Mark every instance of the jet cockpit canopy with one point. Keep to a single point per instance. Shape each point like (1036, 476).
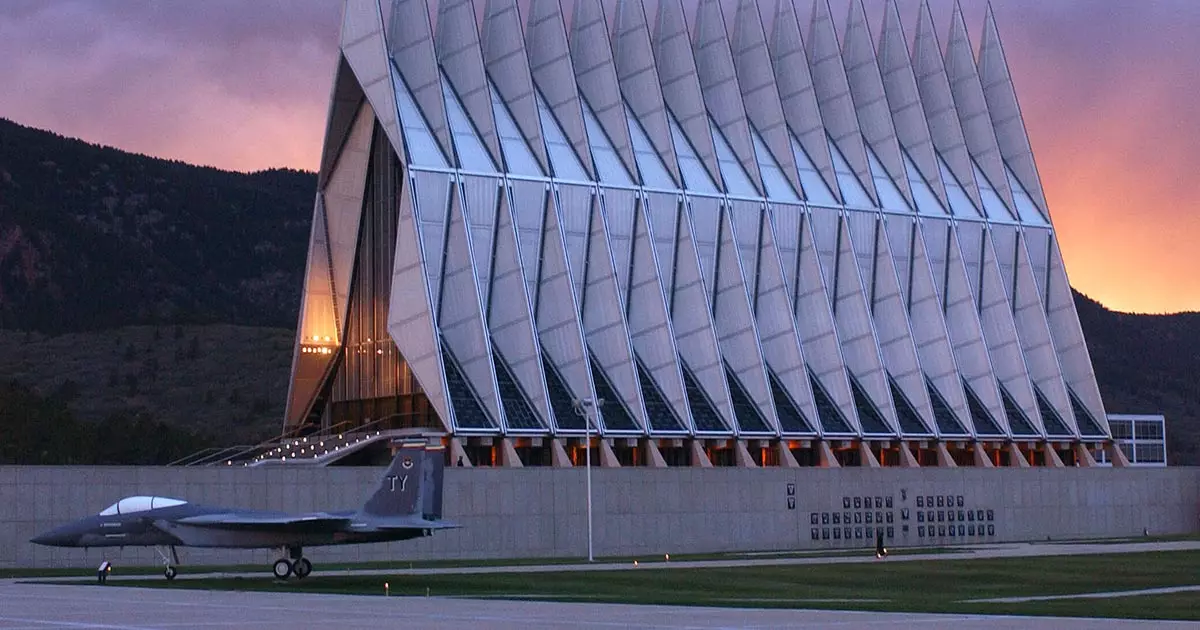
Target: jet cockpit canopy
(129, 505)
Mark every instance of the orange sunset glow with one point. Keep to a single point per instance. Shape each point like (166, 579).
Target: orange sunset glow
(1107, 90)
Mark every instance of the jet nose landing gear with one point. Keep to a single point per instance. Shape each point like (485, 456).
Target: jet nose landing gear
(293, 564)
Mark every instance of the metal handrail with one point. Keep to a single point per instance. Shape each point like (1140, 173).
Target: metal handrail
(195, 455)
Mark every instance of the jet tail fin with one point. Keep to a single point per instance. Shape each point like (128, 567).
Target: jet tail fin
(412, 485)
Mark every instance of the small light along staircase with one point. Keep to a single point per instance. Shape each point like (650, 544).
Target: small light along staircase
(318, 449)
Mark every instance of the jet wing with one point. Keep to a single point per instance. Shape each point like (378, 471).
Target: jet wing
(250, 521)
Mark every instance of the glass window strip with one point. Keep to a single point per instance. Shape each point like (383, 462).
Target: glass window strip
(609, 168)
(853, 192)
(563, 160)
(960, 204)
(518, 158)
(1026, 209)
(778, 188)
(815, 189)
(695, 176)
(423, 149)
(736, 180)
(471, 153)
(650, 165)
(889, 194)
(927, 202)
(992, 204)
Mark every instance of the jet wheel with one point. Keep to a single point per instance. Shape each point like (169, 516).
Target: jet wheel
(170, 573)
(302, 568)
(282, 569)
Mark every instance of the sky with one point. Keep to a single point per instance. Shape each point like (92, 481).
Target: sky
(1107, 88)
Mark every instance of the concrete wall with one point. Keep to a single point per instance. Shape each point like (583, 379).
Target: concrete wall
(540, 511)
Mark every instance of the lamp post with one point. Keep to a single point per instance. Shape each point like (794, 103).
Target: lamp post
(581, 406)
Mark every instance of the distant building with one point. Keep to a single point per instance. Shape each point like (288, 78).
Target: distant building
(1142, 438)
(757, 246)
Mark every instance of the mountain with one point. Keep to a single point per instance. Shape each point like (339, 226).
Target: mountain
(155, 290)
(1148, 364)
(93, 237)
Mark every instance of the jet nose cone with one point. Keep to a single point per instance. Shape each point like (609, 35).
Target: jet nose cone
(55, 538)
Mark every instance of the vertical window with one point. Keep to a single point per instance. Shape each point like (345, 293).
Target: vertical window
(992, 204)
(471, 153)
(852, 190)
(517, 156)
(654, 172)
(815, 189)
(695, 176)
(889, 195)
(960, 203)
(736, 180)
(423, 150)
(777, 186)
(608, 164)
(563, 160)
(927, 202)
(1026, 209)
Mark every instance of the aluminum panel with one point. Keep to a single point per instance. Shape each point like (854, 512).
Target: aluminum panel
(553, 74)
(797, 95)
(691, 315)
(510, 318)
(937, 100)
(410, 44)
(508, 67)
(596, 76)
(560, 330)
(343, 205)
(530, 203)
(363, 47)
(649, 321)
(760, 96)
(719, 85)
(904, 101)
(680, 83)
(870, 100)
(604, 326)
(638, 77)
(737, 332)
(815, 321)
(344, 103)
(460, 313)
(410, 312)
(971, 349)
(1000, 331)
(972, 107)
(705, 218)
(461, 57)
(929, 329)
(833, 93)
(480, 204)
(777, 331)
(892, 328)
(856, 330)
(1001, 99)
(431, 192)
(618, 205)
(1069, 342)
(1036, 342)
(662, 213)
(574, 204)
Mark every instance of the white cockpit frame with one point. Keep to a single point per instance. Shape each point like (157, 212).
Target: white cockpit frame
(130, 505)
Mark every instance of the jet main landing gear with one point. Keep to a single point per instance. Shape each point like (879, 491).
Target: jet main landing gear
(170, 557)
(292, 564)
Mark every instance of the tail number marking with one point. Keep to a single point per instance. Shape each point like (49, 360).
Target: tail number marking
(397, 480)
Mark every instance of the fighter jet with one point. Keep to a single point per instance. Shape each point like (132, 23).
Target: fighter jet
(406, 504)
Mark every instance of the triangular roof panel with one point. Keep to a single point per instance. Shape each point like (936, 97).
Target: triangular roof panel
(553, 74)
(1001, 97)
